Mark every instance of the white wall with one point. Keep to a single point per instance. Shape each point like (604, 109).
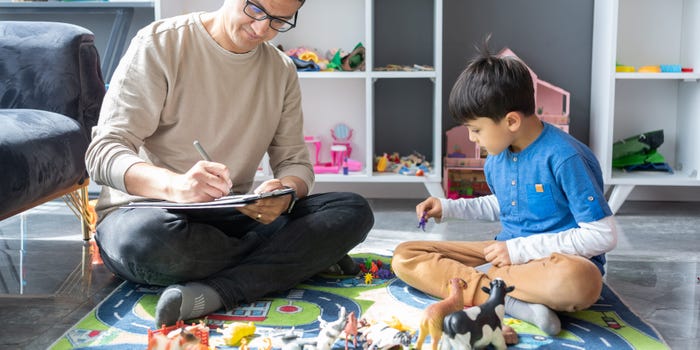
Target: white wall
(170, 8)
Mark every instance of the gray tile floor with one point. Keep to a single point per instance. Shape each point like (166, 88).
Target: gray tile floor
(48, 281)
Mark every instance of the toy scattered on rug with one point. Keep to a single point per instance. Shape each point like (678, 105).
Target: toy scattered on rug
(179, 336)
(267, 344)
(330, 332)
(234, 332)
(351, 330)
(382, 336)
(376, 269)
(478, 326)
(394, 322)
(413, 164)
(434, 314)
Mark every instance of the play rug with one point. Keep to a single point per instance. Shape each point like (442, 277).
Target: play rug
(122, 320)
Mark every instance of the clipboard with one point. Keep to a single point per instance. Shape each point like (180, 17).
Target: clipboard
(223, 202)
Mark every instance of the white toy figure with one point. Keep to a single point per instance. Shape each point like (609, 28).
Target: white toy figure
(330, 331)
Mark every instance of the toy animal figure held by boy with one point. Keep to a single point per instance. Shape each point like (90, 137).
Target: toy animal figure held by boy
(547, 190)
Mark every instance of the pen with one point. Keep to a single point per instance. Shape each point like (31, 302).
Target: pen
(206, 157)
(201, 150)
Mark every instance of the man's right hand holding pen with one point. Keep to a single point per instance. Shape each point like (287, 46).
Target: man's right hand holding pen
(204, 182)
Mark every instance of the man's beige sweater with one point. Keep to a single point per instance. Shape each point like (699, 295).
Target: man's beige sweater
(174, 85)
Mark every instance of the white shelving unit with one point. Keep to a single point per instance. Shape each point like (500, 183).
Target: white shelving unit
(640, 33)
(349, 97)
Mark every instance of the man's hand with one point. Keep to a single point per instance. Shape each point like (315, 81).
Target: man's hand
(204, 182)
(266, 210)
(497, 254)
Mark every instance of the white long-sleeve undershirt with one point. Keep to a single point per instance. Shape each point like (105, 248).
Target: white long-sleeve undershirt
(587, 240)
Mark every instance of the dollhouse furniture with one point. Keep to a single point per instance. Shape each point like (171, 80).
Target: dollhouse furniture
(50, 98)
(463, 165)
(316, 143)
(340, 150)
(342, 134)
(463, 175)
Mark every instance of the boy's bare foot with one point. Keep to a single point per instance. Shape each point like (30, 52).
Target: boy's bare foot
(509, 335)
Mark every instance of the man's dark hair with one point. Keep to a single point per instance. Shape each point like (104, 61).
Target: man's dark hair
(491, 87)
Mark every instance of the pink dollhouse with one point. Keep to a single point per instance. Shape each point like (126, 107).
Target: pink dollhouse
(551, 102)
(463, 165)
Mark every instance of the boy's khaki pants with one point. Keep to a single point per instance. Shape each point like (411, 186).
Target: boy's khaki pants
(562, 282)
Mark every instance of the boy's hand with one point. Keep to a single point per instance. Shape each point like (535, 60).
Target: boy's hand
(431, 208)
(497, 254)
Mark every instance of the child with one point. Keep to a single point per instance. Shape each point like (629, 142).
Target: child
(547, 192)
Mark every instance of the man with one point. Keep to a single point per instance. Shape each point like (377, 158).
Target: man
(214, 77)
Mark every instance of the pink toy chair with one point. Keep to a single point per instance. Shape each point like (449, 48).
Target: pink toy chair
(317, 147)
(338, 153)
(342, 134)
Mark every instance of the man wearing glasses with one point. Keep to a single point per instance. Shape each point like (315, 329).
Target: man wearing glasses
(214, 77)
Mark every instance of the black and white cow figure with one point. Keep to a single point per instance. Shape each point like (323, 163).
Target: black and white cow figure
(478, 326)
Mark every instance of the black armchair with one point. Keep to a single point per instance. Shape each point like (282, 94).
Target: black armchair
(51, 90)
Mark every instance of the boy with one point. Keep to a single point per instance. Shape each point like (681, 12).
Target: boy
(547, 192)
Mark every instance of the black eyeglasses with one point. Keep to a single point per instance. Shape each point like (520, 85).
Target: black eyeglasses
(257, 13)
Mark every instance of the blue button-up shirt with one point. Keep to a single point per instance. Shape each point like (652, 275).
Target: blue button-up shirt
(550, 186)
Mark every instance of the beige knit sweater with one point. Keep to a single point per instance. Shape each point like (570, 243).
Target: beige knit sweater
(174, 85)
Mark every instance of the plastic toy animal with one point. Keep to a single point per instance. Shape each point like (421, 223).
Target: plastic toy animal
(394, 322)
(179, 337)
(292, 341)
(351, 330)
(478, 326)
(330, 331)
(433, 315)
(234, 332)
(381, 336)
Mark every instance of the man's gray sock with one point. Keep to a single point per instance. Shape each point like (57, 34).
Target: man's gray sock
(183, 302)
(537, 314)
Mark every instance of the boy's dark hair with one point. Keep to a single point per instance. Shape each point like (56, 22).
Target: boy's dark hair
(491, 87)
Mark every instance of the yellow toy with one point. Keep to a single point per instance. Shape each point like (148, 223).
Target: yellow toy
(397, 324)
(368, 278)
(382, 163)
(234, 332)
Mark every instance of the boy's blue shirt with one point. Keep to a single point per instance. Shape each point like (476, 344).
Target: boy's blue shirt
(550, 186)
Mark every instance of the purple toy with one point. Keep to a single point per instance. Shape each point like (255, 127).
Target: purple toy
(423, 220)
